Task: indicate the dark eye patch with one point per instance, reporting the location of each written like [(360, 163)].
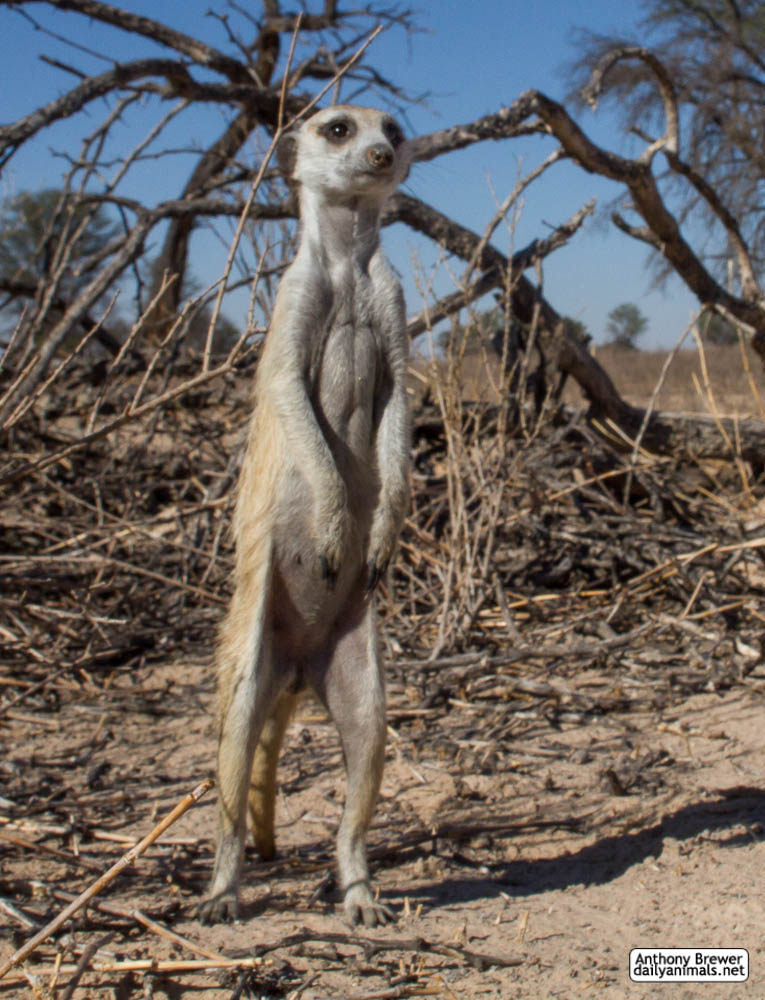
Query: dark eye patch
[(393, 133), (338, 130)]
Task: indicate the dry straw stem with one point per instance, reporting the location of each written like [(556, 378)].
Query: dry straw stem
[(29, 845), (153, 965), (108, 877), (403, 992), (184, 942), (748, 370), (130, 914), (734, 448), (91, 950), (652, 404)]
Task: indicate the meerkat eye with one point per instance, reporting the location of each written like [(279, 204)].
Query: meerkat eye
[(393, 133), (338, 130)]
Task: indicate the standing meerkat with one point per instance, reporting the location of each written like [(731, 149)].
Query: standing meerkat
[(322, 496)]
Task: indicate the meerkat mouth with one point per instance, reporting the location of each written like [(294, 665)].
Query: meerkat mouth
[(381, 173)]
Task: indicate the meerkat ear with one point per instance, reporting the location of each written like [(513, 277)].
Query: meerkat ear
[(286, 154)]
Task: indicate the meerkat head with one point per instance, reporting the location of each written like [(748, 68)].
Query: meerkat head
[(346, 152)]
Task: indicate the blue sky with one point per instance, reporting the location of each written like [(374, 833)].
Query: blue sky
[(472, 58)]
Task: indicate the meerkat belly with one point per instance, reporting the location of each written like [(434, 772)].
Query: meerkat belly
[(346, 386), (305, 607)]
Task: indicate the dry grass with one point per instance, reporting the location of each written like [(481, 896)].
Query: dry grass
[(736, 379)]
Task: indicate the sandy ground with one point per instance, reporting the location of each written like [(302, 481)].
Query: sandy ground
[(587, 840)]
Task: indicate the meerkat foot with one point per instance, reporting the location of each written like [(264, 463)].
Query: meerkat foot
[(220, 909), (361, 907)]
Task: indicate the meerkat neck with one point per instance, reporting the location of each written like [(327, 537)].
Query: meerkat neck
[(339, 232)]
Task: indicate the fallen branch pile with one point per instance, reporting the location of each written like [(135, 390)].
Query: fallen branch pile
[(549, 549)]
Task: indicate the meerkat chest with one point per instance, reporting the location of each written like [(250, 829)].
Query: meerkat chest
[(349, 364)]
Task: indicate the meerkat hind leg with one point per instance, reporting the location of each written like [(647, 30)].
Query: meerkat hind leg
[(262, 796), (353, 691), (249, 687)]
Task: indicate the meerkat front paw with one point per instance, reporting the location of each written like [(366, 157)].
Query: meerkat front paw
[(381, 545), (332, 543)]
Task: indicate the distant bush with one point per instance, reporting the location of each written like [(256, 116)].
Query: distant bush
[(625, 324)]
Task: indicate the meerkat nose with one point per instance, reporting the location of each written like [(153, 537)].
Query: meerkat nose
[(380, 157)]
